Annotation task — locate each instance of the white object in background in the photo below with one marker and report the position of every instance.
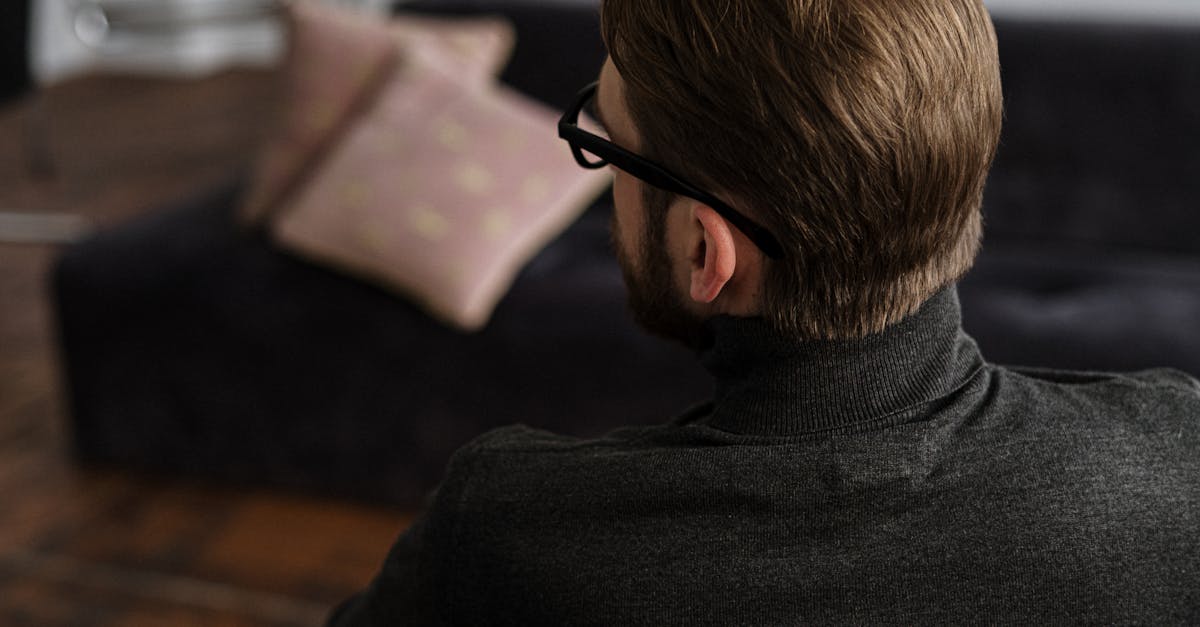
(161, 37)
(42, 228)
(377, 7)
(1139, 11)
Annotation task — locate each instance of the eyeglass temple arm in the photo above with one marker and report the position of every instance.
(569, 130)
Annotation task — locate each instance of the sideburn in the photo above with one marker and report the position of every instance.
(655, 298)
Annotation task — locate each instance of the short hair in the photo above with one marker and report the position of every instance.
(859, 132)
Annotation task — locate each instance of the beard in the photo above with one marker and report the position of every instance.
(654, 297)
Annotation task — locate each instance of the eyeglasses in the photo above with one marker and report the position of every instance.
(603, 152)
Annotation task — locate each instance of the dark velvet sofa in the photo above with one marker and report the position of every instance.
(193, 347)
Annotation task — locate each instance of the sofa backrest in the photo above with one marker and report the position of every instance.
(558, 50)
(1101, 144)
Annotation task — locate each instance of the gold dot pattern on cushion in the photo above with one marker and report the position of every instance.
(427, 223)
(474, 178)
(535, 188)
(356, 194)
(496, 224)
(452, 135)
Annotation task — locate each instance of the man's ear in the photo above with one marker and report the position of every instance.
(713, 255)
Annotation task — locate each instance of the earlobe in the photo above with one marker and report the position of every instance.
(714, 257)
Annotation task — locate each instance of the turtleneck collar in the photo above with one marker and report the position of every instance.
(768, 384)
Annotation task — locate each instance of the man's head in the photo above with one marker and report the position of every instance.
(857, 132)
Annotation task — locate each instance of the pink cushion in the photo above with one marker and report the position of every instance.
(337, 62)
(442, 186)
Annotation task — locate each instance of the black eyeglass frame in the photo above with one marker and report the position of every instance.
(650, 172)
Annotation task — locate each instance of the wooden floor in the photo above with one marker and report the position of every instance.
(93, 547)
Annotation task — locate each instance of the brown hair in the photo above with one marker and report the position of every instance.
(859, 132)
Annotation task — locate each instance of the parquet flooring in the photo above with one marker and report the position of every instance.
(101, 547)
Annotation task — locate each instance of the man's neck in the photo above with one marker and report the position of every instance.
(769, 384)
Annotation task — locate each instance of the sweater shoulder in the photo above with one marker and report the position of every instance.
(520, 439)
(1145, 382)
(1155, 399)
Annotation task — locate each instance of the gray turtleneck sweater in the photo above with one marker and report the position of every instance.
(897, 479)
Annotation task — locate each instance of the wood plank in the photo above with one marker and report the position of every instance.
(46, 590)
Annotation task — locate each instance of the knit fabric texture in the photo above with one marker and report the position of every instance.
(896, 479)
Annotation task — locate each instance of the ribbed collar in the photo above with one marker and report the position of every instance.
(769, 384)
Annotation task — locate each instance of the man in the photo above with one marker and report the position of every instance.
(797, 187)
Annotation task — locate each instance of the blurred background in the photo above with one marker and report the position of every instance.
(101, 121)
(201, 427)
